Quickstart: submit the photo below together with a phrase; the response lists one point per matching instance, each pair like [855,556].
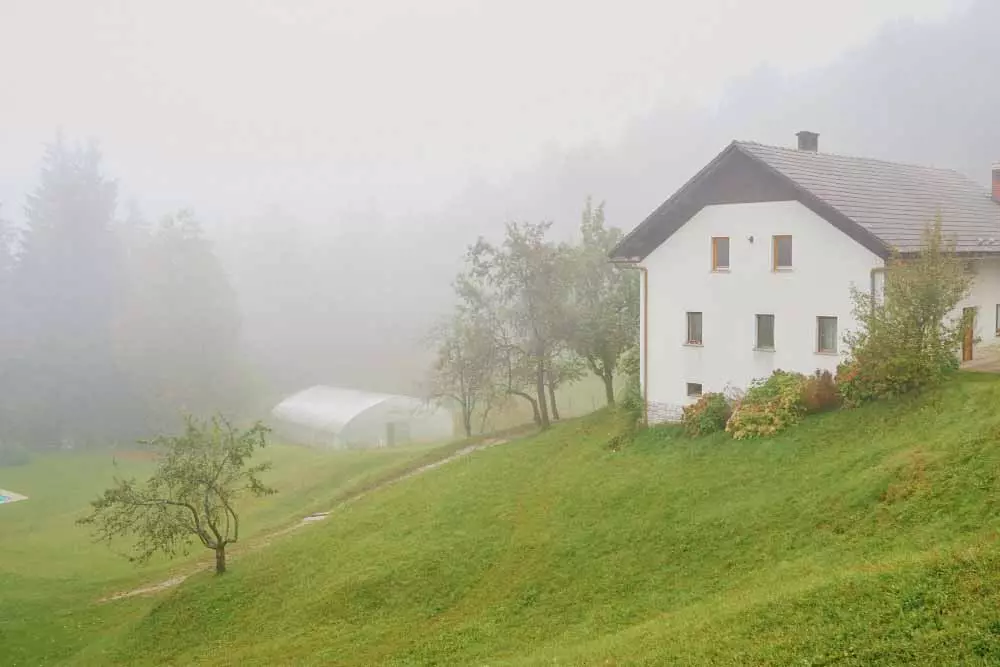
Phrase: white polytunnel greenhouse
[336,417]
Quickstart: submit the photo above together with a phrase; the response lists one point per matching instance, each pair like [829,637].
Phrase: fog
[341,156]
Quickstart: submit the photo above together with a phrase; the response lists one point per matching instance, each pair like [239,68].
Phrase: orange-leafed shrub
[819,393]
[708,415]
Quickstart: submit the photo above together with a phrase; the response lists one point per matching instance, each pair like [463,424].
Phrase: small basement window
[720,253]
[782,254]
[826,335]
[694,328]
[693,389]
[765,332]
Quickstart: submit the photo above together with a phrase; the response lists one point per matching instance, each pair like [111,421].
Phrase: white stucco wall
[826,262]
[984,296]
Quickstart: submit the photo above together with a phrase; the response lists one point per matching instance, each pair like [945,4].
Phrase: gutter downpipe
[643,357]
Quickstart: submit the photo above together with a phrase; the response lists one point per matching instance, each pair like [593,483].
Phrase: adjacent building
[749,266]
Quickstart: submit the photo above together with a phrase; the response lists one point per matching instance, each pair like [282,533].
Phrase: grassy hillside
[858,538]
[51,574]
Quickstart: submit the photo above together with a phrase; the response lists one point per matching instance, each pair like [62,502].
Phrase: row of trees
[109,326]
[534,315]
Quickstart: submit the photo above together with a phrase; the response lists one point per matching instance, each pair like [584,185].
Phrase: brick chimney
[808,141]
[996,181]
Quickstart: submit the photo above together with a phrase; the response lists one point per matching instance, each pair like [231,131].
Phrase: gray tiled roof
[893,201]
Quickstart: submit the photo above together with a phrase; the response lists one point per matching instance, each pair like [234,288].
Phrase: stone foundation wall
[657,413]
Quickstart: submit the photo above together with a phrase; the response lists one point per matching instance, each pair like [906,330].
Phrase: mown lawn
[859,538]
[865,537]
[52,574]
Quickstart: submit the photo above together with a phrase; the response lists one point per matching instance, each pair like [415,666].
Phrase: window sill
[763,349]
[721,269]
[693,344]
[782,269]
[827,353]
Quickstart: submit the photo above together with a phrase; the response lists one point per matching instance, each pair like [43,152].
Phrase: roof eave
[828,212]
[615,255]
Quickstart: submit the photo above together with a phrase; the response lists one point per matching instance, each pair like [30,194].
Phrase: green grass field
[863,537]
[51,573]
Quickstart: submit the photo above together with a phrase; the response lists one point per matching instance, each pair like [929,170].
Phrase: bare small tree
[192,494]
[463,373]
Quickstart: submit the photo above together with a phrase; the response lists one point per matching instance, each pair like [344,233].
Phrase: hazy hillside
[861,537]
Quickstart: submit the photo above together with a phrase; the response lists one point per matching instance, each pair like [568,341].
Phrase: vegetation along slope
[860,537]
[52,575]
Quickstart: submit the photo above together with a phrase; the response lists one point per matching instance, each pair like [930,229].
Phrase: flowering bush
[819,393]
[769,406]
[708,415]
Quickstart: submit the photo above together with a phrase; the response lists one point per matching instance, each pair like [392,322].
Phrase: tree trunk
[609,388]
[482,422]
[534,405]
[467,422]
[552,402]
[543,411]
[220,559]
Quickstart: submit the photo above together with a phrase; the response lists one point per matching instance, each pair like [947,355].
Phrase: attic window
[720,253]
[782,254]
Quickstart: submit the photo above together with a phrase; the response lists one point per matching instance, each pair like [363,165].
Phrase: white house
[748,267]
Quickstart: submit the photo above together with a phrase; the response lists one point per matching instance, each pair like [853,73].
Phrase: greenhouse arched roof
[332,408]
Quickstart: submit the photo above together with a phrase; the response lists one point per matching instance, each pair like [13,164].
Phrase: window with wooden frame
[781,254]
[878,288]
[765,332]
[826,335]
[693,329]
[720,253]
[693,389]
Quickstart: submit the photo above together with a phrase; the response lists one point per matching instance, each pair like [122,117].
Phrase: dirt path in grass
[266,539]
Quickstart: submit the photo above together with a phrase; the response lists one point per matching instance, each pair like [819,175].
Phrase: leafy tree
[527,276]
[7,253]
[7,260]
[603,318]
[465,368]
[192,495]
[563,368]
[909,336]
[517,372]
[67,284]
[178,331]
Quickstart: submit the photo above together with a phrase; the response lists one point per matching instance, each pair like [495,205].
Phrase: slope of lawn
[863,537]
[52,574]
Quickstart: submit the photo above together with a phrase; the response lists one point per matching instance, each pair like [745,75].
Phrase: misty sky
[230,105]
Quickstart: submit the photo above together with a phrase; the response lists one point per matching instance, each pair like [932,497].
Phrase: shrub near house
[769,406]
[908,339]
[708,415]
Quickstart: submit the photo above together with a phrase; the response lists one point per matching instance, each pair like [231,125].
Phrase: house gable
[733,177]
